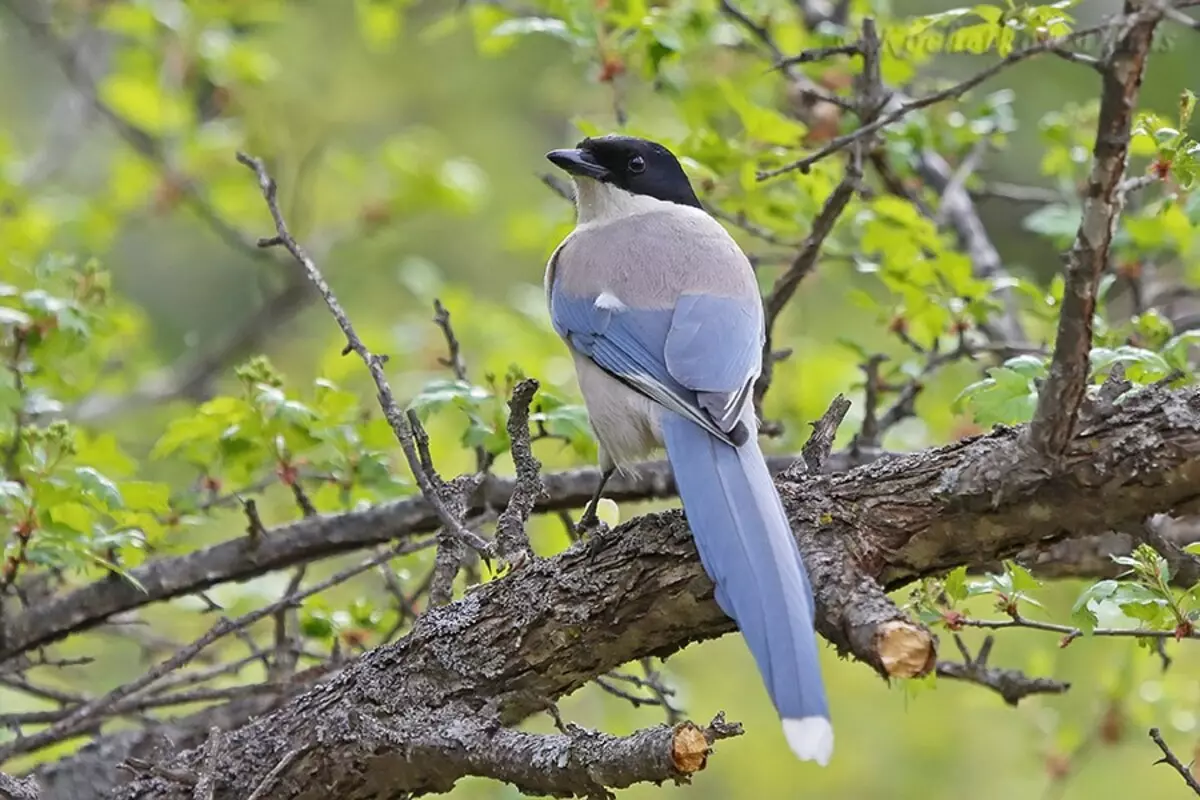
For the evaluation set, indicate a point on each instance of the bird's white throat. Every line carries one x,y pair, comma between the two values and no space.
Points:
599,203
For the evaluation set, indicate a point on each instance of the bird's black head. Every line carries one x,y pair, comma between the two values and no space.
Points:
635,165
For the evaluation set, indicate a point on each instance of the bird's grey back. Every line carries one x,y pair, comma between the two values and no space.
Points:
647,260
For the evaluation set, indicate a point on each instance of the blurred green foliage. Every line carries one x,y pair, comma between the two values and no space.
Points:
406,137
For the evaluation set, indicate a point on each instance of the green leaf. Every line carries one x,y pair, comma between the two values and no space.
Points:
379,22
316,625
1175,352
1056,222
1030,366
147,496
13,492
570,422
75,516
99,487
1006,396
116,568
1081,613
143,101
438,394
1022,580
1141,365
955,584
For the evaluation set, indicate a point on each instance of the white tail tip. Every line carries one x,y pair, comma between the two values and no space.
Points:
811,738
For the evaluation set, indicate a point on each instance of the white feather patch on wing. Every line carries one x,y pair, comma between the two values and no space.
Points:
811,738
607,301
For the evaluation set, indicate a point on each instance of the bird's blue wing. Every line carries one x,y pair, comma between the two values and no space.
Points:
697,359
714,347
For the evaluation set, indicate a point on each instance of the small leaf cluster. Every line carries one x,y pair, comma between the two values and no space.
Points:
265,432
939,601
485,409
1143,594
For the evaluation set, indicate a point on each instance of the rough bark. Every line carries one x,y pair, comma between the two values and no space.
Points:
312,539
393,722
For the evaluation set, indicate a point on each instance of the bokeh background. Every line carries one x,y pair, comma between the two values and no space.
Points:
453,138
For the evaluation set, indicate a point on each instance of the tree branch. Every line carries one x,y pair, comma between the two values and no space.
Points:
374,363
22,789
1012,685
957,90
921,514
1169,758
321,537
511,538
1060,397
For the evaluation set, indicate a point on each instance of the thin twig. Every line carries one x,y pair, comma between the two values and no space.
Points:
87,714
950,93
374,363
271,778
1173,761
1012,685
458,365
1070,634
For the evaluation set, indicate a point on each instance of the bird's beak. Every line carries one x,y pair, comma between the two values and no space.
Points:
578,162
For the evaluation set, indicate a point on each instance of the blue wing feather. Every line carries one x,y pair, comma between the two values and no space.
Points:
697,359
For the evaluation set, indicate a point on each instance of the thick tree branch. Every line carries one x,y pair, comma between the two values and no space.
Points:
1060,397
317,538
920,514
13,789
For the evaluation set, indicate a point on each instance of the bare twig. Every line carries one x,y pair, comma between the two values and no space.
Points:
511,539
820,54
458,365
89,713
786,284
1012,685
271,778
1169,758
820,442
374,363
1070,634
759,32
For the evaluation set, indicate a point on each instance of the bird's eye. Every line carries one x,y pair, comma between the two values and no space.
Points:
637,164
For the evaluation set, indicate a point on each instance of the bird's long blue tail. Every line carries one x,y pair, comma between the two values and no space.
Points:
746,546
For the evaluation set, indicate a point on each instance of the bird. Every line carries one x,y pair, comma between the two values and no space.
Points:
660,310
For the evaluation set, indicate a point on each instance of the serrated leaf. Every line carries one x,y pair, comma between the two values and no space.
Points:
1057,222
75,516
1030,366
955,584
100,487
1022,580
438,394
1081,613
147,496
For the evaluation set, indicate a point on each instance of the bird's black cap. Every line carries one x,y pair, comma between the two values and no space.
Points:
635,165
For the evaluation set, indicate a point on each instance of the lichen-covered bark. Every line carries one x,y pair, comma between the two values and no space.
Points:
553,625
